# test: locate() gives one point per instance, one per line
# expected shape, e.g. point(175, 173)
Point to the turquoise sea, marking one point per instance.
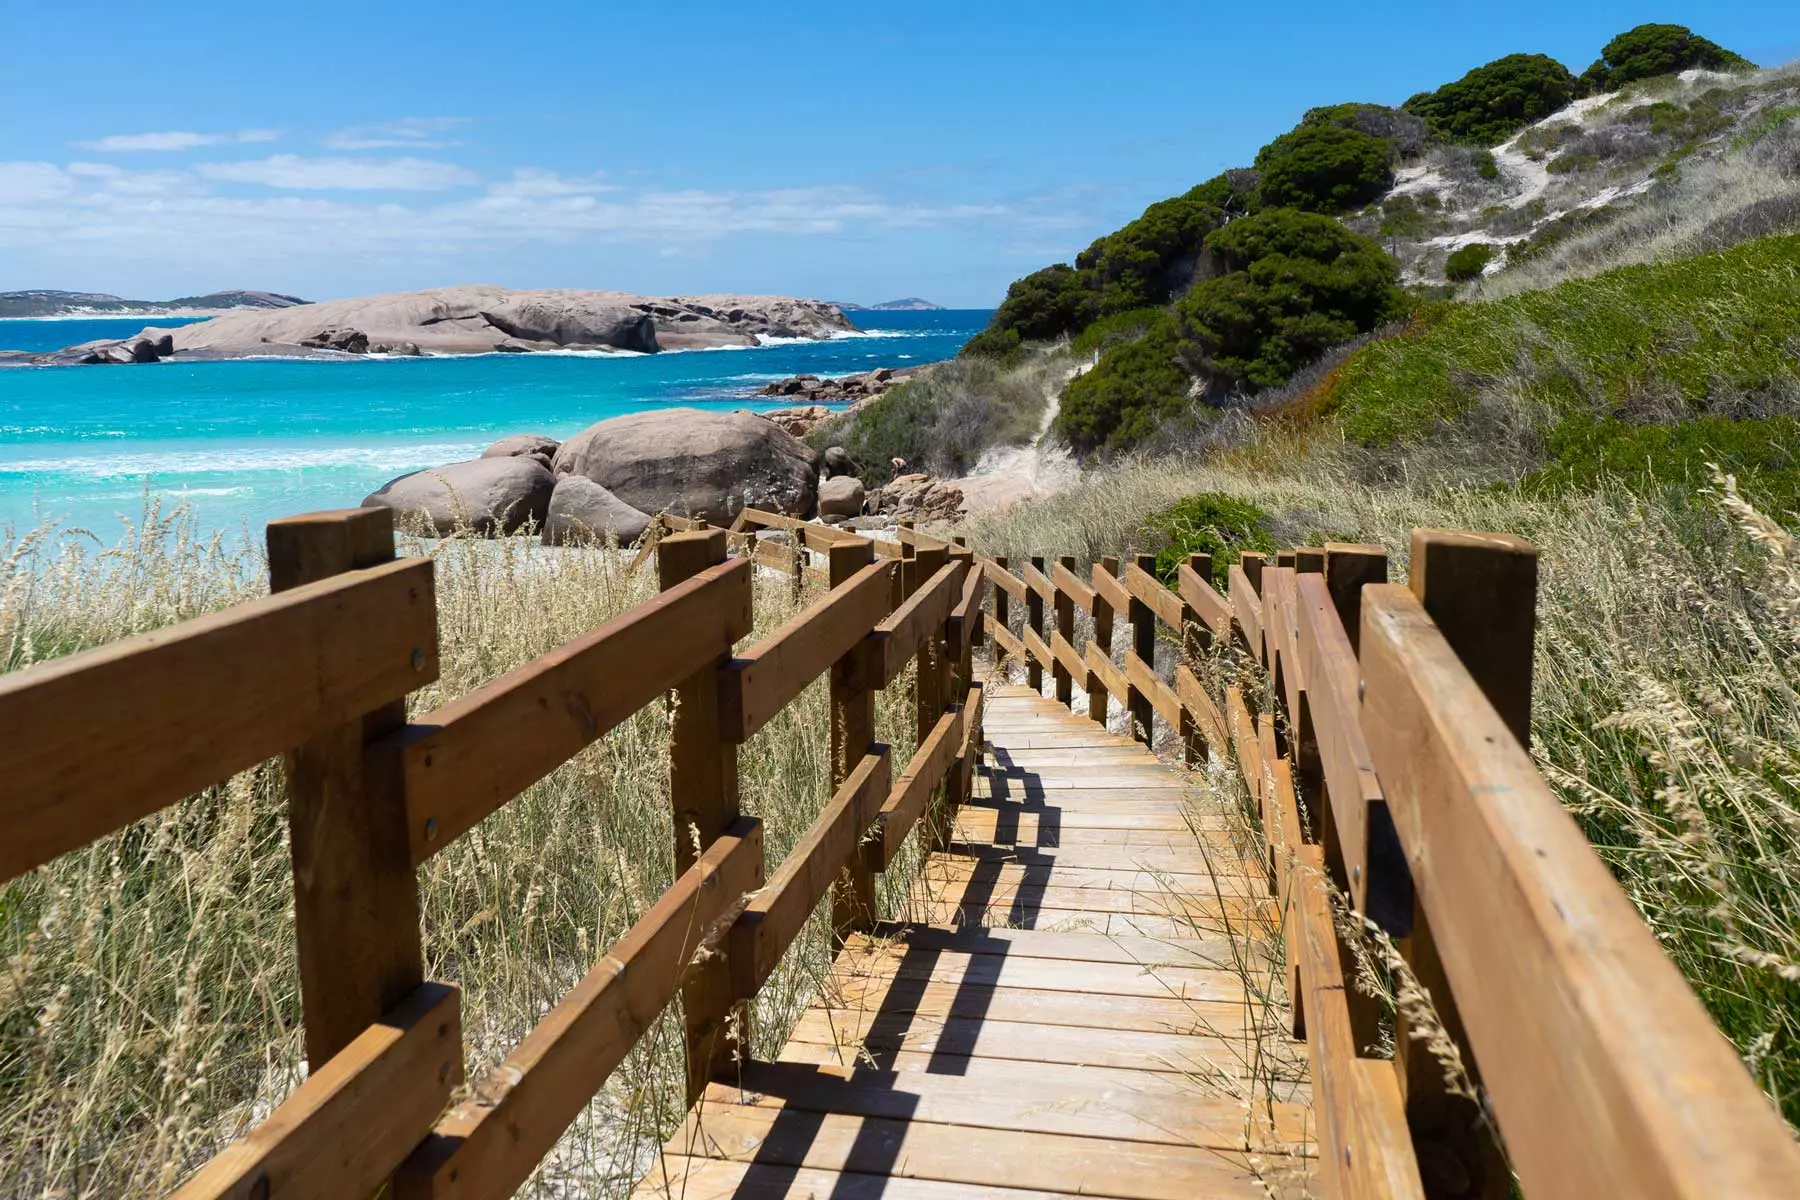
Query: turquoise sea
point(241, 442)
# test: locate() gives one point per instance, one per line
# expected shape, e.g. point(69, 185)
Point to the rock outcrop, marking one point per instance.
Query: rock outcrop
point(837, 461)
point(840, 498)
point(530, 445)
point(581, 509)
point(821, 390)
point(916, 498)
point(486, 495)
point(479, 319)
point(690, 462)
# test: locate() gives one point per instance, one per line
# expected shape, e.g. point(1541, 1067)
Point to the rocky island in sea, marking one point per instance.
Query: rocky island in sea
point(472, 319)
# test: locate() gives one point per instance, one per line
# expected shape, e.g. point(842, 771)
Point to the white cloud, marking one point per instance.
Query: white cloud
point(172, 221)
point(407, 133)
point(291, 171)
point(533, 182)
point(176, 140)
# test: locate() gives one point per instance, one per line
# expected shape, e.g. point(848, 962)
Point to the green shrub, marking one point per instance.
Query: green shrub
point(1108, 331)
point(1406, 132)
point(1324, 168)
point(1045, 304)
point(1492, 102)
point(942, 420)
point(1651, 50)
point(1209, 523)
point(1468, 262)
point(1145, 262)
point(1296, 285)
point(1710, 335)
point(1133, 389)
point(1486, 166)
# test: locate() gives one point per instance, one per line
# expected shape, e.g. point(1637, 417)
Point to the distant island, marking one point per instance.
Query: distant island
point(909, 304)
point(47, 302)
point(467, 319)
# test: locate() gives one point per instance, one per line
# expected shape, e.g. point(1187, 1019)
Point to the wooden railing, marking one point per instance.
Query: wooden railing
point(319, 670)
point(1392, 770)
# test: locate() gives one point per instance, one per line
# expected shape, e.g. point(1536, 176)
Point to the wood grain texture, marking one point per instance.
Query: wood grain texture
point(1004, 579)
point(1246, 606)
point(1149, 590)
point(1150, 685)
point(489, 1143)
point(1201, 708)
point(1040, 650)
point(1605, 1071)
point(911, 794)
point(1208, 605)
point(108, 736)
point(466, 759)
point(1108, 588)
point(758, 684)
point(1365, 1148)
point(774, 917)
point(355, 1119)
point(1108, 674)
point(1066, 581)
point(904, 631)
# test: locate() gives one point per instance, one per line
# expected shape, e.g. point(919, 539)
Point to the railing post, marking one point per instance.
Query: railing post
point(963, 668)
point(356, 898)
point(1347, 569)
point(1195, 638)
point(1002, 608)
point(1034, 616)
point(852, 733)
point(1065, 626)
point(1103, 629)
point(703, 788)
point(1481, 592)
point(1143, 642)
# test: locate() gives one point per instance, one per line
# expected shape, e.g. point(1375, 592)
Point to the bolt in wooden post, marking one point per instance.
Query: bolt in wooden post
point(1143, 642)
point(703, 787)
point(1103, 629)
point(1034, 616)
point(852, 732)
point(356, 899)
point(1481, 591)
point(1065, 625)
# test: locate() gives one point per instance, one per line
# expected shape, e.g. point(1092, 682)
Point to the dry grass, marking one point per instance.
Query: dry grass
point(1666, 707)
point(149, 1006)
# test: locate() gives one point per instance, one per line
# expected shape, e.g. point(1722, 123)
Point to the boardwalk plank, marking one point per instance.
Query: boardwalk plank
point(1104, 1049)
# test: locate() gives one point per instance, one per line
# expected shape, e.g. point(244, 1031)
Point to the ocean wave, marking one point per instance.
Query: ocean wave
point(227, 462)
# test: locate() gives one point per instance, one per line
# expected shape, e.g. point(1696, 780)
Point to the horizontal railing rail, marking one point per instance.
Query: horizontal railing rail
point(1392, 771)
point(318, 672)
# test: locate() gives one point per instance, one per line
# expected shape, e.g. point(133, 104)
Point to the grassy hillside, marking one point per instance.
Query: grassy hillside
point(1649, 371)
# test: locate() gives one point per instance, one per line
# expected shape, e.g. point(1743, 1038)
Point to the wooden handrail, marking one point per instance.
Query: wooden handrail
point(466, 759)
point(489, 1143)
point(355, 1119)
point(108, 736)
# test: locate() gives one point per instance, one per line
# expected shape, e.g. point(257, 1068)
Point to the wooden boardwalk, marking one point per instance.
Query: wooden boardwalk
point(1063, 1014)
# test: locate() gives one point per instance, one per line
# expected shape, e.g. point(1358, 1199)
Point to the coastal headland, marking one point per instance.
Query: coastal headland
point(474, 319)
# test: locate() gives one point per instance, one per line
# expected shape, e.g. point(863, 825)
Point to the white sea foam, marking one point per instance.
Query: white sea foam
point(209, 461)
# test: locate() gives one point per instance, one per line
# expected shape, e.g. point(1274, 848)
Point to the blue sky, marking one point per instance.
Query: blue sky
point(848, 152)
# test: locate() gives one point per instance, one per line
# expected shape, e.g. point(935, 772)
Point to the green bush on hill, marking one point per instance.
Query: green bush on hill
point(1651, 50)
point(1406, 132)
point(1207, 523)
point(1133, 389)
point(943, 419)
point(1146, 261)
point(1043, 305)
point(1492, 102)
point(1324, 168)
point(1296, 285)
point(1468, 262)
